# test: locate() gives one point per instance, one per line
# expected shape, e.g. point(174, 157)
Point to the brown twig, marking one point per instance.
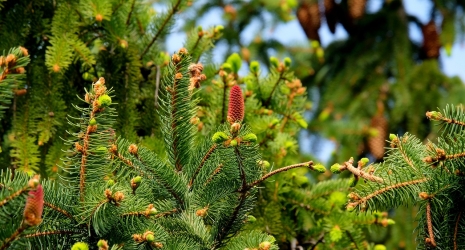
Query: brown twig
point(162, 27)
point(50, 233)
point(359, 172)
point(305, 164)
point(163, 214)
point(7, 242)
point(64, 212)
point(202, 163)
point(385, 189)
point(430, 240)
point(14, 195)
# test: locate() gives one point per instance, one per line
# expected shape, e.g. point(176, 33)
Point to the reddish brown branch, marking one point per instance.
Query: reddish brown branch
point(383, 190)
point(359, 172)
point(64, 212)
point(14, 195)
point(39, 234)
point(7, 242)
point(430, 240)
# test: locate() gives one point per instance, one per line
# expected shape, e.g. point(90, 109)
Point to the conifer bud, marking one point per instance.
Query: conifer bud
point(80, 246)
point(183, 51)
point(135, 182)
point(264, 164)
point(392, 137)
point(149, 236)
point(233, 143)
point(336, 168)
point(250, 137)
point(219, 137)
point(56, 68)
point(110, 182)
point(102, 245)
point(99, 18)
point(350, 207)
point(254, 67)
point(379, 247)
point(133, 149)
point(219, 28)
point(119, 196)
point(24, 51)
point(104, 100)
point(150, 210)
point(287, 62)
point(33, 182)
point(123, 44)
point(226, 67)
point(335, 234)
point(274, 62)
point(434, 115)
point(235, 127)
point(319, 168)
point(235, 61)
point(34, 206)
point(92, 122)
point(236, 105)
point(251, 218)
point(266, 245)
point(202, 212)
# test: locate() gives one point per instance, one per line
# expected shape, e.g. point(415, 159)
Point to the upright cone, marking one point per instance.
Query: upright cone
point(34, 206)
point(236, 105)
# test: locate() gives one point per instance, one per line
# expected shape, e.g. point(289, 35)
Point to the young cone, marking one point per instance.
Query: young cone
point(431, 41)
point(34, 206)
point(356, 8)
point(236, 105)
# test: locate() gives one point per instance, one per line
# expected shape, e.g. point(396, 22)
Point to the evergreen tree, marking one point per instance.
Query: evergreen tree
point(428, 174)
point(116, 193)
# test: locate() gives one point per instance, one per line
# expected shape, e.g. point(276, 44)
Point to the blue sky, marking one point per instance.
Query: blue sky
point(292, 33)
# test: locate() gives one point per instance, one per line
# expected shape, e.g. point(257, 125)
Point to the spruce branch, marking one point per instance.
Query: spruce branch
point(305, 164)
point(361, 200)
point(7, 242)
point(202, 163)
point(60, 210)
point(437, 116)
point(173, 11)
point(40, 234)
point(14, 195)
point(359, 172)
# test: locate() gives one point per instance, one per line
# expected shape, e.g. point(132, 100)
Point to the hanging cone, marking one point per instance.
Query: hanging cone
point(376, 142)
point(308, 14)
point(331, 15)
point(356, 8)
point(431, 42)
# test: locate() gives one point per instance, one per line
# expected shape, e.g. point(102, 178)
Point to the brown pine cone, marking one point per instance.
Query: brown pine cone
point(308, 14)
point(356, 8)
point(431, 42)
point(376, 143)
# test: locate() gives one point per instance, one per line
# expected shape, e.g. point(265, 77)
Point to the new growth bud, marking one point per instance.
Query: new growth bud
point(104, 100)
point(219, 137)
point(80, 246)
point(250, 137)
point(319, 168)
point(336, 168)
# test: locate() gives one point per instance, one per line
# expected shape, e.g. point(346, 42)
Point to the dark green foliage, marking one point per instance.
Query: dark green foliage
point(180, 201)
point(429, 175)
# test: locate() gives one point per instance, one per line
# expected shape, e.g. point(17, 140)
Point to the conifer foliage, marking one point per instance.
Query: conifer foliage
point(430, 175)
point(120, 194)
